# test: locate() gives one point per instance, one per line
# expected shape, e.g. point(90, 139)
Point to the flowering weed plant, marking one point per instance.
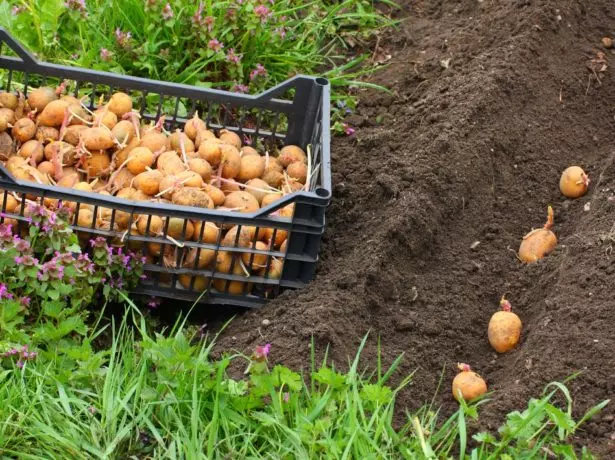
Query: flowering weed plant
point(46, 281)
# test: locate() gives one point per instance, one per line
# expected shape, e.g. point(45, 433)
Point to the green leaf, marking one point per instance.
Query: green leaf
point(378, 394)
point(284, 376)
point(9, 310)
point(329, 377)
point(564, 450)
point(561, 419)
point(53, 309)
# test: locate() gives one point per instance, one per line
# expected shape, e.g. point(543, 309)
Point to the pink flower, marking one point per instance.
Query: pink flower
point(167, 12)
point(281, 31)
point(99, 242)
point(348, 129)
point(262, 12)
point(105, 54)
point(4, 292)
point(286, 397)
point(239, 88)
point(261, 352)
point(232, 57)
point(25, 301)
point(154, 302)
point(258, 72)
point(17, 10)
point(215, 45)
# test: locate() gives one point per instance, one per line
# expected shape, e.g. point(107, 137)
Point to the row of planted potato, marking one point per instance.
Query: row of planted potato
point(504, 329)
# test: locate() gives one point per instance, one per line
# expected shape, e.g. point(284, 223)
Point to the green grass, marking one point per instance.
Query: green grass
point(163, 396)
point(306, 36)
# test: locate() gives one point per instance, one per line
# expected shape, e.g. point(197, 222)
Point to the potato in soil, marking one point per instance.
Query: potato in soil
point(504, 328)
point(468, 385)
point(539, 242)
point(574, 182)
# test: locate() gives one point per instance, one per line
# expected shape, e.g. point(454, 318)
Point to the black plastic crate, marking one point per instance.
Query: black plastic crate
point(295, 112)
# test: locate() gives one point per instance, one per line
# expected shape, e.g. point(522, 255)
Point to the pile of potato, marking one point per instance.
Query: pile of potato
point(50, 138)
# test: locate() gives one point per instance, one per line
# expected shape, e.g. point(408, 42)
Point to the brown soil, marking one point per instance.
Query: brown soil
point(492, 101)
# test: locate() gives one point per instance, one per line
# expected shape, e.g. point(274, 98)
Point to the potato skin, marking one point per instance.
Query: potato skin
point(574, 182)
point(470, 384)
point(536, 245)
point(192, 197)
point(242, 201)
point(504, 331)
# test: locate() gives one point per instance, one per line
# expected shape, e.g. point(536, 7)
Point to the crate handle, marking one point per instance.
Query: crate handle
point(13, 44)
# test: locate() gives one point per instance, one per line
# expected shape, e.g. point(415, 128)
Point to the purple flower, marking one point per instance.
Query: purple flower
point(258, 72)
point(239, 88)
point(261, 352)
point(25, 301)
point(66, 258)
point(105, 54)
point(6, 231)
point(4, 292)
point(52, 269)
point(22, 245)
point(286, 397)
point(215, 45)
point(27, 261)
point(167, 12)
point(348, 129)
point(154, 302)
point(262, 12)
point(232, 57)
point(19, 364)
point(99, 242)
